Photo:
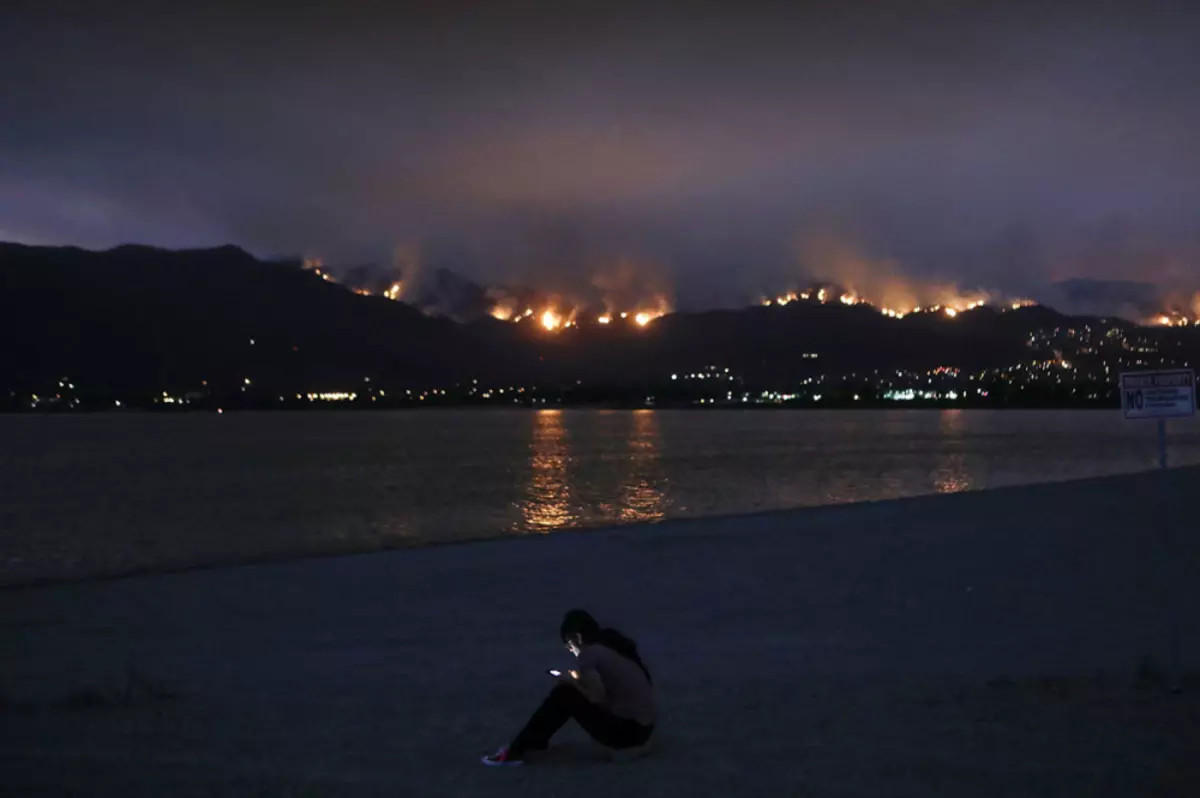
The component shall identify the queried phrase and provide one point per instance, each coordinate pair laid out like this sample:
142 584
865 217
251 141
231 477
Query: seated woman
611 694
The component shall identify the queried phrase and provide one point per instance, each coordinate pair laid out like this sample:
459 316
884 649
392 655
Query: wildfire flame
557 312
316 266
951 304
1174 319
553 317
503 306
551 320
646 315
1179 312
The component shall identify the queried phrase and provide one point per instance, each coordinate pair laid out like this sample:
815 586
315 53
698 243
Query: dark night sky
733 146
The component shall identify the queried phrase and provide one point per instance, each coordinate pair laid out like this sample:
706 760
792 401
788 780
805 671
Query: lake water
100 494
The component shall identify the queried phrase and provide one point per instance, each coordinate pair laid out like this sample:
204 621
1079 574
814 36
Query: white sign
1158 394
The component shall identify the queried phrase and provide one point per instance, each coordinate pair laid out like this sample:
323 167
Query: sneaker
501 759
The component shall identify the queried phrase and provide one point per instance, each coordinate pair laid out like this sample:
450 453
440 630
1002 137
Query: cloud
965 146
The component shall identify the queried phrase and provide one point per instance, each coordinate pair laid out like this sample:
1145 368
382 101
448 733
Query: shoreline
132 408
792 514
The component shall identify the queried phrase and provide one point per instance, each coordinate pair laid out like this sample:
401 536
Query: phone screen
553 672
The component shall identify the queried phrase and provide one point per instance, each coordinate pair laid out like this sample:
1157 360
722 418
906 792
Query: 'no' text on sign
1158 394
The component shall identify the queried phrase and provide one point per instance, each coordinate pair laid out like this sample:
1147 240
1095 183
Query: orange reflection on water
950 470
642 500
547 501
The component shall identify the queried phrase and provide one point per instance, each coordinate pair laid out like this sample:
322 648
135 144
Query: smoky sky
732 146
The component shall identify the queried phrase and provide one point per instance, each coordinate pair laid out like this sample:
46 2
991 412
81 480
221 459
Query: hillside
137 321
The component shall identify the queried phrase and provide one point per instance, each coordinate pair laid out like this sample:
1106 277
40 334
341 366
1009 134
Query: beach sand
1012 642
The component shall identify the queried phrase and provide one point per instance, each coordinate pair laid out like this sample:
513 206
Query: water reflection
642 498
950 473
547 502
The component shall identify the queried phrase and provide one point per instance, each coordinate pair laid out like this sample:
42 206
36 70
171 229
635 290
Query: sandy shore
999 643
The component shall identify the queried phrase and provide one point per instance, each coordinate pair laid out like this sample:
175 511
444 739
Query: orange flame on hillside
949 303
553 317
316 266
1173 319
551 320
1173 316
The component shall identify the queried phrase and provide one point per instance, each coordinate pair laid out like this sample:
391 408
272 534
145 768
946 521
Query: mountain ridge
142 320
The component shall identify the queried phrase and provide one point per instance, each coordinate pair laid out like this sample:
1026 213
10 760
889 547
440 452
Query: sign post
1161 395
1162 443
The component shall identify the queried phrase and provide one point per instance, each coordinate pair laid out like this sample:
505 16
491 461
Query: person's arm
587 679
590 684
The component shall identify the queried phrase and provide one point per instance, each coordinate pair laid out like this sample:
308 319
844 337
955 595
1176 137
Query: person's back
627 690
611 695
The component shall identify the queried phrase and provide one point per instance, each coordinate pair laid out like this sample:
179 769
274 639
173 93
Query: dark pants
566 702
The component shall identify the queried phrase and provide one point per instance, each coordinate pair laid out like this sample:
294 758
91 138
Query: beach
1006 642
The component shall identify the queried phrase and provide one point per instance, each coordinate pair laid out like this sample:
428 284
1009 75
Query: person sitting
611 695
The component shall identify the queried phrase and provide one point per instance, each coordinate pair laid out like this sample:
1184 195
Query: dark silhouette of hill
775 345
137 320
450 294
140 319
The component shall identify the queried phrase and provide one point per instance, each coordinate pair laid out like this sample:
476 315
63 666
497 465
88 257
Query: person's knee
567 694
562 688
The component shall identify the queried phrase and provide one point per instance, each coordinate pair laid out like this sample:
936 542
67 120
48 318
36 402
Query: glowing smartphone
554 673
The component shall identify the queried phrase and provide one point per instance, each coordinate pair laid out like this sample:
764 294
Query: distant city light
332 396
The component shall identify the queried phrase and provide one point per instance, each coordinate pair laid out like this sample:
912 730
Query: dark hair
581 622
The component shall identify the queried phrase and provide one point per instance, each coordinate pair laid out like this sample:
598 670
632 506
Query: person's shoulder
591 654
